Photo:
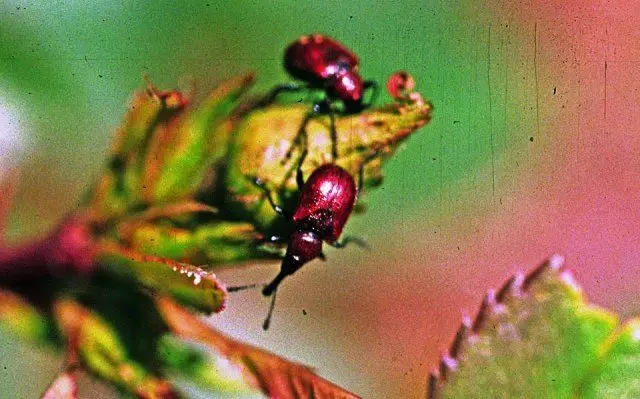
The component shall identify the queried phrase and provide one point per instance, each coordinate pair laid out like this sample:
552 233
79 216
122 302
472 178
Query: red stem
68 250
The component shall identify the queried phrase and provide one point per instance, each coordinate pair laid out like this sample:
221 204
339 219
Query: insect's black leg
348 240
299 176
373 85
267 320
237 288
281 88
260 184
300 138
364 163
272 287
327 107
334 135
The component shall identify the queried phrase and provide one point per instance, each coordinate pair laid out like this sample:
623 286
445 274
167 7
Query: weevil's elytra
316 58
326 202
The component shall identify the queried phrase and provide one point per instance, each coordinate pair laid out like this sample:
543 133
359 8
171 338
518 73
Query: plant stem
67 250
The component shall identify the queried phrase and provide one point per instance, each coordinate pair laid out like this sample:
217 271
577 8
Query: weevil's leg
270 97
364 163
272 287
237 288
348 240
277 209
300 138
322 256
267 320
327 106
299 175
373 85
334 135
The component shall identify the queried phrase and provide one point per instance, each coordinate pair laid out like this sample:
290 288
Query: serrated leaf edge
518 286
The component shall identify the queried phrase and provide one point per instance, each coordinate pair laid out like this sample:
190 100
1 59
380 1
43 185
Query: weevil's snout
304 246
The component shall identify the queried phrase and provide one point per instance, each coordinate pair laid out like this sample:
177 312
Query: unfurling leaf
118 188
165 148
538 338
180 182
275 376
192 146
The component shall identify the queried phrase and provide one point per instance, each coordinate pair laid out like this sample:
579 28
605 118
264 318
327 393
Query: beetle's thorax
326 201
347 86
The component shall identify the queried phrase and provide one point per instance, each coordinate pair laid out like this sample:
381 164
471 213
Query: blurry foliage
176 192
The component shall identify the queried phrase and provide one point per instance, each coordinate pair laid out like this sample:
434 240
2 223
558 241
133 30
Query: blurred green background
501 177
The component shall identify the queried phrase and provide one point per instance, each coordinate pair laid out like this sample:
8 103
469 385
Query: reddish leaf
275 376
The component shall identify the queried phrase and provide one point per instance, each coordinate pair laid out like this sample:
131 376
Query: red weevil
326 201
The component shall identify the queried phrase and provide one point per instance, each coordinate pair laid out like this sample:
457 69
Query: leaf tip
448 365
512 288
488 304
553 264
556 261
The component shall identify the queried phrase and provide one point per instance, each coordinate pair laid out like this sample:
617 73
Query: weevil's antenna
236 288
267 320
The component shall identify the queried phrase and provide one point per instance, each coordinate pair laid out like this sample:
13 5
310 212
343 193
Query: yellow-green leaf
263 138
188 284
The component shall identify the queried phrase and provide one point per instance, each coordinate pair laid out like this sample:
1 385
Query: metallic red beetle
324 64
325 203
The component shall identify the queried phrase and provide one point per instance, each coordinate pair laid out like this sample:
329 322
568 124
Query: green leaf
118 188
617 374
188 284
211 243
538 338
